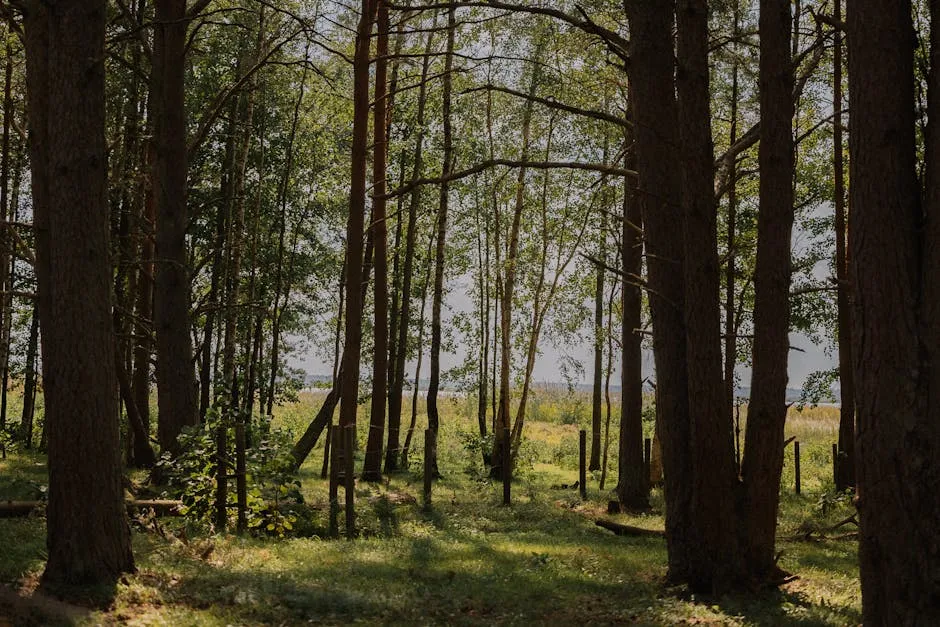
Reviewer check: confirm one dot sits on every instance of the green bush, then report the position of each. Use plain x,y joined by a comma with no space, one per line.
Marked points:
273,491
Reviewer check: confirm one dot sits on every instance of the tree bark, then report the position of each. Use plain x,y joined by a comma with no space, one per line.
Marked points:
845,475
355,225
633,480
597,391
372,465
712,563
895,261
396,392
88,537
176,384
658,168
437,299
767,410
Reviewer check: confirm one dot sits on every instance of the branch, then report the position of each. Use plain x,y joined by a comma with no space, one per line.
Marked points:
491,163
554,104
215,109
615,42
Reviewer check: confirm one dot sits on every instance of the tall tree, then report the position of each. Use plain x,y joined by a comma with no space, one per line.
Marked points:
372,466
714,475
767,410
176,383
845,469
658,168
895,253
355,225
437,298
633,479
88,537
393,452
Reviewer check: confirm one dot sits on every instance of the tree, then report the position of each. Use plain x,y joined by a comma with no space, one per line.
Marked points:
88,534
372,467
658,168
176,384
439,257
633,480
845,469
767,411
895,251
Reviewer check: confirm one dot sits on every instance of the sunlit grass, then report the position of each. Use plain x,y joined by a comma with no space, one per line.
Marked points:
469,560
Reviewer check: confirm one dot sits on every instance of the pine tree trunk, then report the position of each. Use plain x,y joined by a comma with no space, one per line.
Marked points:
176,384
372,465
767,410
714,475
632,481
895,263
88,537
845,475
29,381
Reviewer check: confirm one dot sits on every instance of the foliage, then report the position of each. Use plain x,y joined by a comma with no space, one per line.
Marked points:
272,487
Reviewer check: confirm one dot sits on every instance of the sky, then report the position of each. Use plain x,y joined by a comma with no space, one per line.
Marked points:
809,358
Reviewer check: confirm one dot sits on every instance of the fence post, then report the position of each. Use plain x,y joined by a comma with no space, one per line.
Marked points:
796,464
582,456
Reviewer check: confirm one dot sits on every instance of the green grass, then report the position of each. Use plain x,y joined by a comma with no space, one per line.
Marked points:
469,560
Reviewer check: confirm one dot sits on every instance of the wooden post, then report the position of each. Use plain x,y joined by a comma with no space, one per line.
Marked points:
507,467
582,472
241,483
835,462
349,480
796,465
334,481
326,452
427,468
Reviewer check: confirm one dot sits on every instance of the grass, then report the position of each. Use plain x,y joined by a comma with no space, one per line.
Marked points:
469,560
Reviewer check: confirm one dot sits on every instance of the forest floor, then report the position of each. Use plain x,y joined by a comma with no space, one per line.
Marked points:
467,561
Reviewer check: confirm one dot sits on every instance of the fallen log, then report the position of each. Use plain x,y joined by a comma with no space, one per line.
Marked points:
628,530
20,509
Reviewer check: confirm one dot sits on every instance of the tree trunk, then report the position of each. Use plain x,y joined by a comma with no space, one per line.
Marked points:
767,410
507,286
29,382
280,289
395,394
632,481
845,468
143,345
598,391
895,261
372,465
176,384
658,168
437,299
88,537
714,476
355,225
731,336
417,387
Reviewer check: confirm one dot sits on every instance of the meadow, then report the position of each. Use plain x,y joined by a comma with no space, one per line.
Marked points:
466,560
